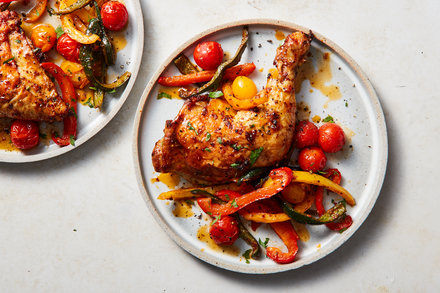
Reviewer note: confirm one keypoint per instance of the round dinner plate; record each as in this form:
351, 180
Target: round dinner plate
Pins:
357, 109
91, 121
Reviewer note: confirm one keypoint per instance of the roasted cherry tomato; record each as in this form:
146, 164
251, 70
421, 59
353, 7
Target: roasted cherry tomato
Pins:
224, 230
68, 48
312, 159
44, 37
331, 137
208, 55
244, 88
306, 134
114, 15
25, 134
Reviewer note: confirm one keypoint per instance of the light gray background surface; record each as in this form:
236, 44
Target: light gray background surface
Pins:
77, 223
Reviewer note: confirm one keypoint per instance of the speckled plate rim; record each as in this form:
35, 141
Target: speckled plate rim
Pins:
7, 157
379, 174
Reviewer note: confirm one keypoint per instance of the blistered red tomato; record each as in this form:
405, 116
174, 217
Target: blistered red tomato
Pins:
306, 134
312, 159
25, 134
68, 48
114, 15
44, 37
331, 137
208, 55
224, 230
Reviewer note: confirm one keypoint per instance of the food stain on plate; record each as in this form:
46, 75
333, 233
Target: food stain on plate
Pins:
279, 35
203, 235
169, 179
319, 78
183, 209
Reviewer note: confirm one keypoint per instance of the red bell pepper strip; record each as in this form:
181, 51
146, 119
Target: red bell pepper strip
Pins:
288, 234
205, 76
69, 97
347, 221
281, 178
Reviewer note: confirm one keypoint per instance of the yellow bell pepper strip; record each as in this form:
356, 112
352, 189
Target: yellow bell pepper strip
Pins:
69, 28
37, 11
239, 104
69, 9
287, 233
281, 178
340, 225
191, 192
315, 179
204, 76
265, 217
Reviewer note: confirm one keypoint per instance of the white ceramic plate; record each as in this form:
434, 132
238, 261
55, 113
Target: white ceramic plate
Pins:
358, 111
91, 121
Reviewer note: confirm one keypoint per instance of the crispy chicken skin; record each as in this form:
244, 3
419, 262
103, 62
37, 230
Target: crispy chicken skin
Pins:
26, 92
209, 142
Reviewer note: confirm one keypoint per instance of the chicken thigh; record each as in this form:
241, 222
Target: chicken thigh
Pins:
209, 142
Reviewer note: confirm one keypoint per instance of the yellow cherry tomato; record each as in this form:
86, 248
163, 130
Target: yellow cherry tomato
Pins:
244, 88
44, 37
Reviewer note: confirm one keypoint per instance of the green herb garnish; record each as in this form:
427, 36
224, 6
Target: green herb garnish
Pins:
235, 165
264, 244
59, 31
220, 140
163, 95
254, 155
72, 140
247, 255
234, 204
8, 60
328, 119
207, 150
215, 95
216, 219
190, 127
208, 136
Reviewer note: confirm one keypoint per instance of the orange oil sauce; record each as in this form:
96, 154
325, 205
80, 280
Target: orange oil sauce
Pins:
169, 179
279, 35
5, 139
172, 92
316, 119
203, 235
319, 78
183, 209
303, 111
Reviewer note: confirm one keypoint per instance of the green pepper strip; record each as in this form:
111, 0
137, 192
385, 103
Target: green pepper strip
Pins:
329, 216
214, 83
252, 175
184, 65
109, 52
69, 9
88, 62
243, 232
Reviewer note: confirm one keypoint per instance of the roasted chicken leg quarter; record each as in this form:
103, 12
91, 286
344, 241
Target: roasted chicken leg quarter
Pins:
209, 142
26, 92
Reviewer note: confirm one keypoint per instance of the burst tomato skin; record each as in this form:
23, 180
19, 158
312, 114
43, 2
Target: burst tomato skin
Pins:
224, 231
312, 159
331, 137
25, 134
114, 15
208, 55
306, 134
44, 37
68, 48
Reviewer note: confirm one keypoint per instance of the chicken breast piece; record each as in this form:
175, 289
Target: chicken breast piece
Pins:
209, 142
26, 92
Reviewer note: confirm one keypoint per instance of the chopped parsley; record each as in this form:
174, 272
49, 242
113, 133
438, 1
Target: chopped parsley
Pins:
59, 31
208, 136
264, 244
207, 150
255, 154
215, 95
227, 196
234, 204
89, 103
8, 60
162, 95
18, 41
190, 127
235, 165
247, 255
220, 140
72, 140
93, 88
328, 119
216, 219
236, 147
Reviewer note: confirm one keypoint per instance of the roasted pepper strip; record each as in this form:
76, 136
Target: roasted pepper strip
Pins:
69, 9
106, 44
281, 178
287, 233
74, 33
69, 96
187, 193
249, 239
315, 179
265, 217
184, 65
214, 83
204, 76
329, 216
339, 225
37, 11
